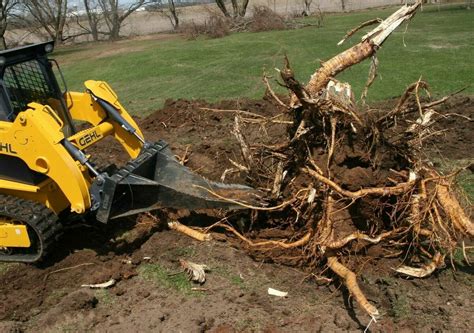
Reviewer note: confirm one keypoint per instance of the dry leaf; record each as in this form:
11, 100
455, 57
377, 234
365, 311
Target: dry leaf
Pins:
196, 272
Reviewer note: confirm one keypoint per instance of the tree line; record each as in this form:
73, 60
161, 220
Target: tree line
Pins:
100, 19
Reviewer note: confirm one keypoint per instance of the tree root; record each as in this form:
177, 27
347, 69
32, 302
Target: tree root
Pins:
381, 191
453, 209
300, 242
425, 270
337, 244
401, 203
350, 280
189, 231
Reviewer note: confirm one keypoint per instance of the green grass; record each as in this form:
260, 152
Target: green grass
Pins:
105, 297
400, 306
166, 279
146, 73
466, 180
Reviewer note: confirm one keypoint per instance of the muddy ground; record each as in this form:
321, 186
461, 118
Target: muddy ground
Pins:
153, 295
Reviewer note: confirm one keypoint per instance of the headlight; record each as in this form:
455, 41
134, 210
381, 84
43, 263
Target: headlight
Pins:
49, 48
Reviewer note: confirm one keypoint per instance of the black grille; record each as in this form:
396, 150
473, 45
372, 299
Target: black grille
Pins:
26, 83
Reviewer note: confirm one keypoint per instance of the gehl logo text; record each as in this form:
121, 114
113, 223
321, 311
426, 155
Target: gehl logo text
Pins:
7, 148
88, 138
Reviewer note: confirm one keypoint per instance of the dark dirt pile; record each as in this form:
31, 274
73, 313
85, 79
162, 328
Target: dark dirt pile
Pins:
149, 296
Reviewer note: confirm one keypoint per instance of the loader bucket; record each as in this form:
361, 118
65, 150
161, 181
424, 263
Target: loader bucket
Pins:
155, 179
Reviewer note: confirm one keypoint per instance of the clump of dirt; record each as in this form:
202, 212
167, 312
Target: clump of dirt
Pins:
451, 139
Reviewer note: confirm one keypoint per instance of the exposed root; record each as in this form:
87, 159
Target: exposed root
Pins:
342, 175
381, 191
244, 147
271, 243
272, 93
350, 280
424, 271
359, 236
189, 231
453, 209
279, 207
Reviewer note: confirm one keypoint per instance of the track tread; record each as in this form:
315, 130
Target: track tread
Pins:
36, 215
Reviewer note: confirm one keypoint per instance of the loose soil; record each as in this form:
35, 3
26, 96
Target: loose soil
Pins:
152, 294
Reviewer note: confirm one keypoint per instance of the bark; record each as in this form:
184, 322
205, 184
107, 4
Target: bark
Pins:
307, 6
222, 7
92, 18
114, 16
238, 9
174, 19
343, 5
370, 43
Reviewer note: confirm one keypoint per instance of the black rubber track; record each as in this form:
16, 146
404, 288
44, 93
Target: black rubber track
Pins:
39, 219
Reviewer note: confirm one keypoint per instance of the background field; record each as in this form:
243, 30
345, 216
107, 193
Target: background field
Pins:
439, 48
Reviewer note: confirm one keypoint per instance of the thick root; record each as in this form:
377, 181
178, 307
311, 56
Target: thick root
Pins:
189, 232
271, 243
421, 272
350, 281
453, 209
381, 191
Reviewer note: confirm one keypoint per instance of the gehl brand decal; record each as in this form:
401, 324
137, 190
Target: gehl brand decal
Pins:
7, 147
89, 137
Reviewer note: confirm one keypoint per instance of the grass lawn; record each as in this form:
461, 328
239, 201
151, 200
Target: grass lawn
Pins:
439, 47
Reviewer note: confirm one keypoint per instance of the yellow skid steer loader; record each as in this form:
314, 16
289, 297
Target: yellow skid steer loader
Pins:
45, 169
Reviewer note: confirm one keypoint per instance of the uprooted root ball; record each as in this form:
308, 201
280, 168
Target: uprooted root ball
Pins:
344, 180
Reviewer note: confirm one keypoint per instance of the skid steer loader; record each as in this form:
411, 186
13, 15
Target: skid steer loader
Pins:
45, 169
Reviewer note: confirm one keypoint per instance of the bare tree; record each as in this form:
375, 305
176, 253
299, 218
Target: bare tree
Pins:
239, 8
343, 5
222, 7
49, 15
6, 7
307, 7
114, 15
174, 19
168, 10
93, 13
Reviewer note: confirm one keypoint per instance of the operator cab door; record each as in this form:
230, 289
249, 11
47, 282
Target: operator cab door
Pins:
27, 76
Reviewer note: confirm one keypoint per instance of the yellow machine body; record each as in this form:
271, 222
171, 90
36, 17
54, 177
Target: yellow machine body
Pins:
14, 235
35, 137
45, 171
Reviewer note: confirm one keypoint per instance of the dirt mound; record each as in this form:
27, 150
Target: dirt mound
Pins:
151, 294
456, 128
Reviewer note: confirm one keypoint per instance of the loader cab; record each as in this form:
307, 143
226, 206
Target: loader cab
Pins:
26, 75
